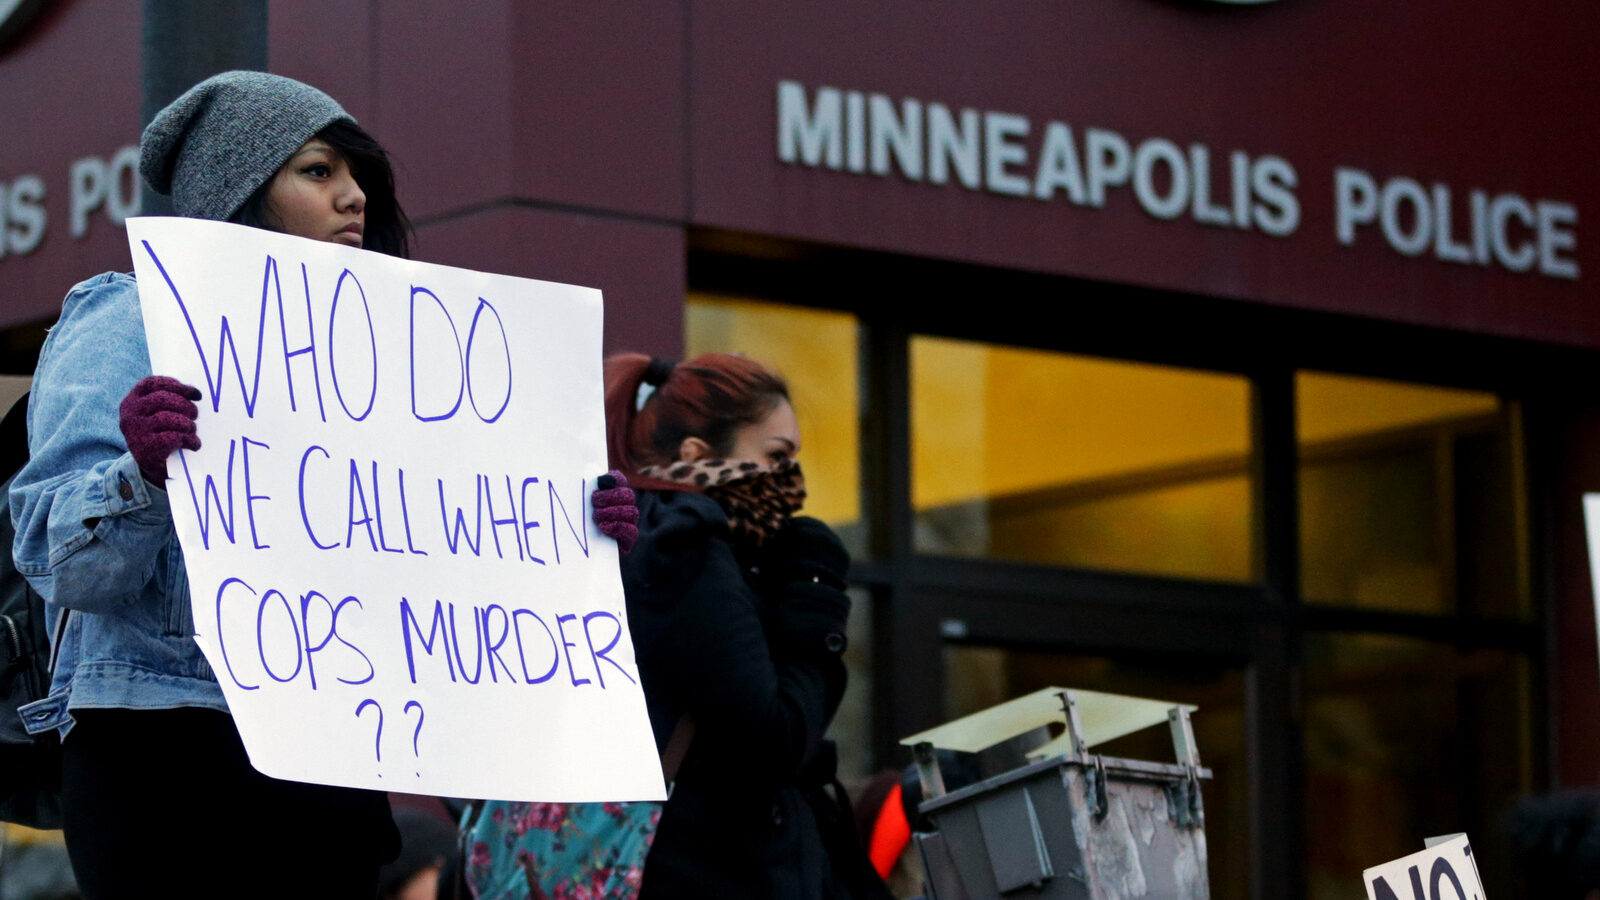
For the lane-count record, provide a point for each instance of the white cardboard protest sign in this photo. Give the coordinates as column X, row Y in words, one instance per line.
column 1591, row 521
column 386, row 531
column 1444, row 871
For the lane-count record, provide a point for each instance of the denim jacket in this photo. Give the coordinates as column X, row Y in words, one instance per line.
column 92, row 535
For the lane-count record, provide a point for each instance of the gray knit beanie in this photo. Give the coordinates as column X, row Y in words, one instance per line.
column 226, row 136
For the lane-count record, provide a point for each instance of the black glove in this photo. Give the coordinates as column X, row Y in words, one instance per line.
column 805, row 565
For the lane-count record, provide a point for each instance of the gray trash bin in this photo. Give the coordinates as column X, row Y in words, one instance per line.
column 1071, row 823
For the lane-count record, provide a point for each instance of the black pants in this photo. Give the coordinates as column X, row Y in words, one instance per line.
column 164, row 803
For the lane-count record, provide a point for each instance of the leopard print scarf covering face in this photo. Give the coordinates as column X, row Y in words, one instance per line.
column 759, row 499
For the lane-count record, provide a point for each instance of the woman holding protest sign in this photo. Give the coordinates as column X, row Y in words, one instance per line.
column 737, row 609
column 157, row 792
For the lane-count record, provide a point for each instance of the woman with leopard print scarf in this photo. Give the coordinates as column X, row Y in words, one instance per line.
column 737, row 610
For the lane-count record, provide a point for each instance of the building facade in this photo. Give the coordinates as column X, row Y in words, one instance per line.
column 1229, row 353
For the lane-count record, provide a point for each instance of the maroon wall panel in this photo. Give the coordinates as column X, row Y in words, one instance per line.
column 599, row 105
column 444, row 110
column 69, row 89
column 330, row 45
column 638, row 266
column 1474, row 95
column 666, row 113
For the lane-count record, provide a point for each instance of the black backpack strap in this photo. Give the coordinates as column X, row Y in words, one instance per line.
column 13, row 456
column 14, row 438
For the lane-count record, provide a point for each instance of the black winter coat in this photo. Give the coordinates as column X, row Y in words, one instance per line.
column 749, row 649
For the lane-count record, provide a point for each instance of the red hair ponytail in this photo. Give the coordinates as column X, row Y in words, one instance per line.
column 709, row 397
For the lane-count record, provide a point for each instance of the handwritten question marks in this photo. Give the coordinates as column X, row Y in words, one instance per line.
column 377, row 737
column 417, row 734
column 377, row 740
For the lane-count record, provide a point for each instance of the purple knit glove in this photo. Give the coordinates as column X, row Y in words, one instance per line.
column 157, row 418
column 616, row 509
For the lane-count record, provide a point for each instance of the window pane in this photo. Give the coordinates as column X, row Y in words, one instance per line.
column 1407, row 498
column 815, row 350
column 1073, row 460
column 977, row 677
column 852, row 727
column 1407, row 739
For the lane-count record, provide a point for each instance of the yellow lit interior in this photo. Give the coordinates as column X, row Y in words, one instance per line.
column 1379, row 517
column 989, row 421
column 994, row 420
column 1334, row 407
column 1077, row 461
column 1070, row 460
column 815, row 351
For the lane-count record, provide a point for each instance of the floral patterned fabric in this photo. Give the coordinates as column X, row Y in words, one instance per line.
column 559, row 851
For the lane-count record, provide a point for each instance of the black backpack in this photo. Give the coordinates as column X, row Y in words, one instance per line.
column 30, row 765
